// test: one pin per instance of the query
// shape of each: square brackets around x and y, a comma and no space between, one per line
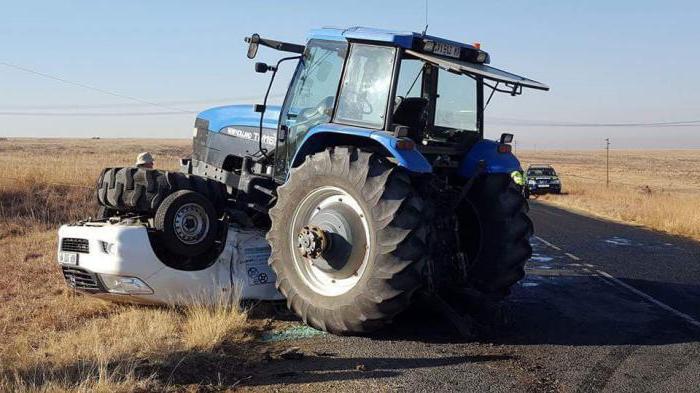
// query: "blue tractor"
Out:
[373,179]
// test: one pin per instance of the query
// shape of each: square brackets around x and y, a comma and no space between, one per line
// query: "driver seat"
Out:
[412,113]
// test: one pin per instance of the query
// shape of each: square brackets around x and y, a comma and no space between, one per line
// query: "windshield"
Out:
[455,107]
[541,172]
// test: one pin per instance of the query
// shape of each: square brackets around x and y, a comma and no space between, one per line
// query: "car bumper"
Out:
[125,251]
[539,189]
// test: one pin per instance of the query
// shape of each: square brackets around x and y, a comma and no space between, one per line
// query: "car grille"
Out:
[72,244]
[81,279]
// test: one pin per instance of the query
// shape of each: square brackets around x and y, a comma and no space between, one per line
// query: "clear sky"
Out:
[606,62]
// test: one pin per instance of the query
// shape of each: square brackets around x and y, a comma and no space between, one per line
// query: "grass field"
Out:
[54,340]
[656,189]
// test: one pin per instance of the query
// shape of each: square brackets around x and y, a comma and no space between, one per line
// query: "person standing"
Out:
[144,160]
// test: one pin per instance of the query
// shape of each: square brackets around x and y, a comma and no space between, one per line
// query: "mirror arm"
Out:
[278,45]
[261,149]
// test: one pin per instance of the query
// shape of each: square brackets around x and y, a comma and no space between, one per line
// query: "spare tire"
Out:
[186,223]
[142,190]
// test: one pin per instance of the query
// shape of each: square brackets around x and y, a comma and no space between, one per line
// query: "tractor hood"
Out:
[239,115]
[483,70]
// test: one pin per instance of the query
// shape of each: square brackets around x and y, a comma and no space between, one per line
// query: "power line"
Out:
[545,123]
[98,114]
[123,105]
[88,87]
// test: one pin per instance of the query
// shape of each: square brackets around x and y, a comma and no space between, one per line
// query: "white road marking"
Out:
[572,256]
[548,243]
[636,291]
[630,288]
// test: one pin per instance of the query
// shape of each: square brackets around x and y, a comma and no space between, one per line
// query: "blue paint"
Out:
[402,39]
[496,162]
[240,115]
[412,159]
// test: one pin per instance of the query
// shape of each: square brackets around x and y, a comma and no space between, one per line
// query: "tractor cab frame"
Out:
[422,93]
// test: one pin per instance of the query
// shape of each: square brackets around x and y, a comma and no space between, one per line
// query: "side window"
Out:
[410,78]
[366,84]
[456,101]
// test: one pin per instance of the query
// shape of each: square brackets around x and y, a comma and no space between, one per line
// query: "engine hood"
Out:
[239,115]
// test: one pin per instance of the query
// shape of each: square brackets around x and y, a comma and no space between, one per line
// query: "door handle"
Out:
[283,133]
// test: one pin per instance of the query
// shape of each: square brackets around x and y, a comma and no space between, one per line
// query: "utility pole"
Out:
[607,162]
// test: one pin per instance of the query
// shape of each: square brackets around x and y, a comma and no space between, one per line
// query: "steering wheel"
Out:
[360,103]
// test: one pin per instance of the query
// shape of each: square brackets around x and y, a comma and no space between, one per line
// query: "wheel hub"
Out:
[331,240]
[191,223]
[312,241]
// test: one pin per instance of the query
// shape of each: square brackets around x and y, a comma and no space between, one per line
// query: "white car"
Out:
[117,261]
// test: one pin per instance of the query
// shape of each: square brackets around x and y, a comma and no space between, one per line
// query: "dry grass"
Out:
[657,189]
[52,340]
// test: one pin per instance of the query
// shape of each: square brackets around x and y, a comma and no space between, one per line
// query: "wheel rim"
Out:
[340,216]
[191,223]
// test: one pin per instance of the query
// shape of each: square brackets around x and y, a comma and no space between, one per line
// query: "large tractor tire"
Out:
[348,240]
[141,190]
[495,234]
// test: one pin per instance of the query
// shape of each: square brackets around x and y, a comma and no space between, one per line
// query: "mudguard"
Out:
[494,161]
[323,135]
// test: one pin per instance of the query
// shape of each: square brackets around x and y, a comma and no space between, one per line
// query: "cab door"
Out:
[310,99]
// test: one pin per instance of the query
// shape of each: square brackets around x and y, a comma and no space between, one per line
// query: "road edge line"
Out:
[651,299]
[547,243]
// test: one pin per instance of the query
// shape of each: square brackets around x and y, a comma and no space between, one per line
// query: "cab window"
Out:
[455,107]
[311,95]
[365,88]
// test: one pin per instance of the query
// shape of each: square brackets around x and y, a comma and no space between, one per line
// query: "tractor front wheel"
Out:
[348,240]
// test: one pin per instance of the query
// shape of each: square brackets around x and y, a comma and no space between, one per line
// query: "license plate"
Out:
[446,50]
[68,258]
[543,186]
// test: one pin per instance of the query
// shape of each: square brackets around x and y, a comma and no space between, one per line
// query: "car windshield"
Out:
[541,172]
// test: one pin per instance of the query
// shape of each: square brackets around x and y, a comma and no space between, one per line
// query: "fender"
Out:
[487,150]
[325,135]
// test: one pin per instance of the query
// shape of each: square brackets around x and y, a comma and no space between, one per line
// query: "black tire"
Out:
[397,228]
[104,213]
[172,218]
[105,182]
[495,213]
[142,190]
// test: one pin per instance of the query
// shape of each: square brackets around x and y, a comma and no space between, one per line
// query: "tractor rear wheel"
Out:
[141,190]
[495,233]
[348,240]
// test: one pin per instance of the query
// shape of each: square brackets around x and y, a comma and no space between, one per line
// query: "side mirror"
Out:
[261,68]
[506,138]
[253,45]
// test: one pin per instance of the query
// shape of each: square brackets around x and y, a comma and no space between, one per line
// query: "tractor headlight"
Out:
[125,285]
[518,177]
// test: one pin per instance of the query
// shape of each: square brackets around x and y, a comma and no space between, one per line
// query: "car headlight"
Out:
[125,285]
[531,182]
[555,181]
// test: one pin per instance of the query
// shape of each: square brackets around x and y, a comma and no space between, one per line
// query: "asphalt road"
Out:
[604,307]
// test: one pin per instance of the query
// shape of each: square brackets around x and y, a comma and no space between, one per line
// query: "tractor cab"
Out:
[425,92]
